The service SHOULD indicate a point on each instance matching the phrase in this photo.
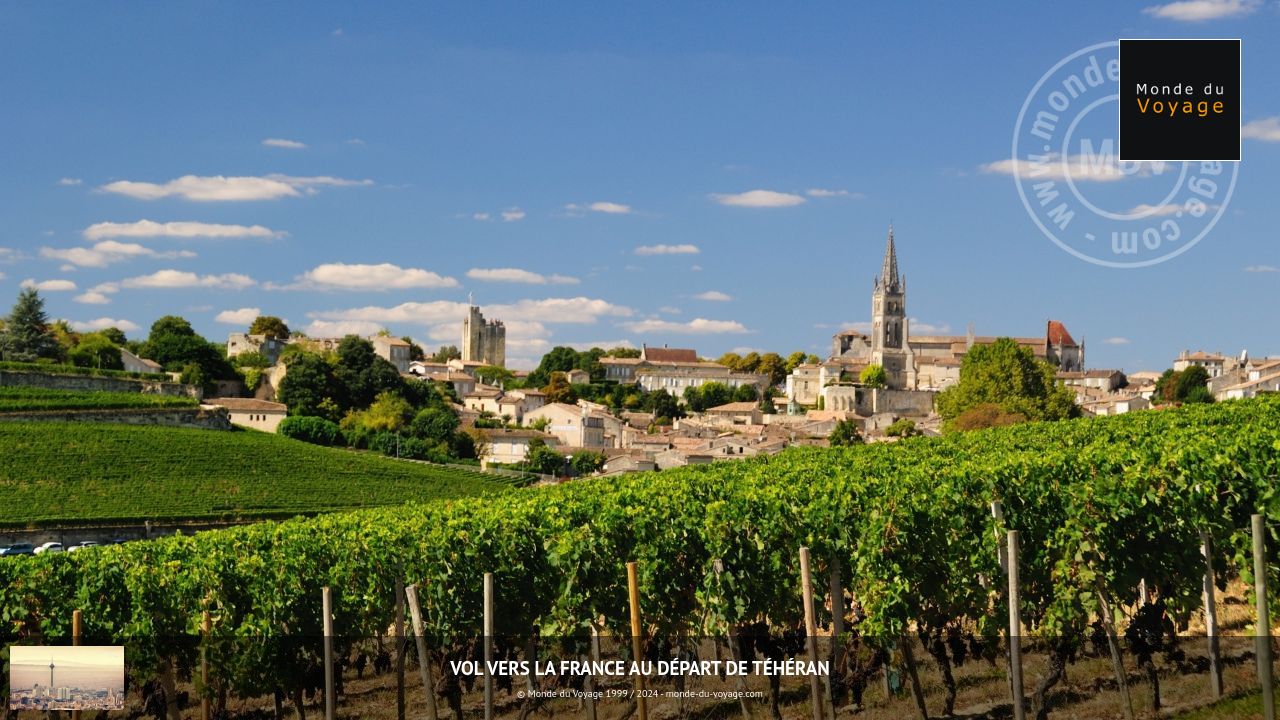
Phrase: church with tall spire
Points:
(910, 362)
(889, 347)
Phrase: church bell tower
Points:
(889, 348)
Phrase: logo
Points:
(1067, 168)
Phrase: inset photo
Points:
(66, 678)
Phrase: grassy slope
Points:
(24, 399)
(70, 472)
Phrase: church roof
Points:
(1058, 334)
(889, 278)
(665, 354)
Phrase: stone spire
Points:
(889, 279)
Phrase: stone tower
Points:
(889, 347)
(483, 340)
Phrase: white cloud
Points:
(713, 296)
(179, 279)
(516, 275)
(354, 141)
(243, 316)
(341, 328)
(384, 276)
(1162, 210)
(1197, 10)
(758, 199)
(150, 228)
(283, 143)
(512, 214)
(602, 344)
(49, 285)
(915, 326)
(1267, 129)
(610, 207)
(2, 276)
(219, 188)
(481, 216)
(9, 255)
(668, 309)
(697, 326)
(70, 181)
(667, 250)
(825, 193)
(1262, 269)
(1116, 341)
(92, 297)
(107, 252)
(1080, 168)
(575, 310)
(103, 323)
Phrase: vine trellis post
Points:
(1263, 630)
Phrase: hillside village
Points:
(618, 410)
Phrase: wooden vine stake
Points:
(1211, 616)
(424, 662)
(1015, 628)
(1116, 663)
(488, 645)
(206, 629)
(77, 634)
(637, 641)
(1264, 618)
(836, 594)
(330, 699)
(400, 650)
(740, 683)
(811, 631)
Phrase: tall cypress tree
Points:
(26, 336)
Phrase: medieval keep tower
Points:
(483, 340)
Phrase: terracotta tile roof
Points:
(1058, 334)
(663, 354)
(734, 407)
(247, 404)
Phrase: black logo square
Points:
(1179, 100)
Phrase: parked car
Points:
(82, 545)
(17, 549)
(49, 547)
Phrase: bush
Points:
(902, 428)
(315, 430)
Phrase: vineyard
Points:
(1102, 506)
(66, 474)
(76, 370)
(26, 399)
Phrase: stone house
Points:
(247, 412)
(510, 447)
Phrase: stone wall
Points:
(902, 402)
(204, 417)
(103, 533)
(89, 383)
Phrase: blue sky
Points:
(584, 171)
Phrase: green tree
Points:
(416, 353)
(873, 376)
(795, 360)
(1192, 386)
(558, 390)
(985, 415)
(95, 350)
(175, 345)
(445, 354)
(269, 325)
(709, 395)
(559, 359)
(311, 388)
(251, 359)
(27, 335)
(745, 393)
(844, 434)
(586, 462)
(774, 366)
(1010, 377)
(364, 374)
(65, 335)
(115, 335)
(663, 405)
(493, 375)
(388, 413)
(542, 459)
(902, 427)
(434, 423)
